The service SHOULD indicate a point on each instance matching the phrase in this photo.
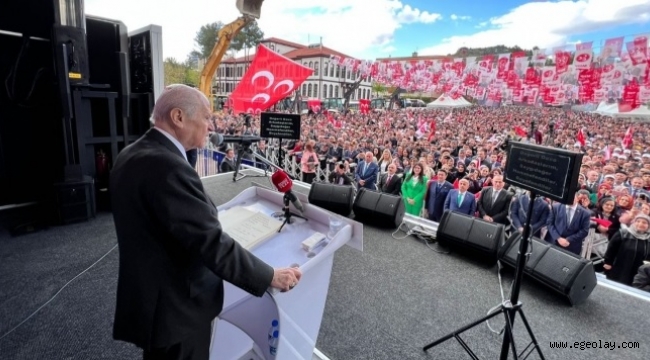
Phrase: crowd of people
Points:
(441, 159)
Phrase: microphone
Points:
(283, 183)
(218, 139)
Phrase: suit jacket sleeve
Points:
(473, 208)
(372, 177)
(179, 203)
(543, 217)
(481, 209)
(514, 214)
(357, 172)
(426, 193)
(550, 224)
(448, 200)
(398, 186)
(501, 215)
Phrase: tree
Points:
(248, 37)
(378, 88)
(349, 89)
(180, 73)
(174, 72)
(206, 37)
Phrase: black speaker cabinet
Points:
(472, 236)
(335, 198)
(76, 54)
(378, 209)
(560, 270)
(75, 200)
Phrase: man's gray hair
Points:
(180, 96)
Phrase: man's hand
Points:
(285, 279)
(563, 242)
(521, 230)
(487, 218)
(362, 182)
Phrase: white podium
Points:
(244, 329)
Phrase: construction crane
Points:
(250, 10)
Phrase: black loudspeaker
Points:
(563, 271)
(106, 40)
(378, 209)
(76, 54)
(335, 198)
(471, 235)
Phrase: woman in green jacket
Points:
(413, 189)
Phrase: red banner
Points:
(270, 78)
(364, 106)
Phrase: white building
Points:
(327, 80)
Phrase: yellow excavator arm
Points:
(224, 37)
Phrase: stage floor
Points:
(384, 303)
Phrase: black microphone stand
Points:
(509, 308)
(287, 212)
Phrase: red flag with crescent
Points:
(270, 78)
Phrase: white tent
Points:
(611, 109)
(448, 102)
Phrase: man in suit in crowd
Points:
(568, 226)
(460, 200)
(391, 183)
(174, 255)
(338, 176)
(434, 198)
(519, 214)
(366, 174)
(228, 164)
(494, 203)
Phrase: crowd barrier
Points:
(208, 161)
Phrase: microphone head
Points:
(216, 139)
(281, 181)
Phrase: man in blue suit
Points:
(568, 226)
(434, 198)
(366, 174)
(519, 213)
(460, 200)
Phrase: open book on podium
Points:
(248, 227)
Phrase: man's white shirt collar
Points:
(174, 141)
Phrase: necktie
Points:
(388, 181)
(460, 199)
(569, 215)
(494, 196)
(364, 168)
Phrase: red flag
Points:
(432, 130)
(364, 106)
(270, 78)
(520, 131)
(627, 140)
(581, 137)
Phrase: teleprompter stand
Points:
(287, 212)
(509, 308)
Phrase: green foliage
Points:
(490, 50)
(180, 73)
(206, 37)
(378, 88)
(250, 36)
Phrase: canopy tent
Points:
(611, 109)
(449, 102)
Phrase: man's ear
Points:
(177, 118)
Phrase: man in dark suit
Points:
(434, 198)
(338, 176)
(568, 226)
(391, 183)
(228, 164)
(519, 214)
(174, 255)
(366, 174)
(461, 200)
(494, 203)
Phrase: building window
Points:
(316, 91)
(338, 71)
(311, 65)
(331, 91)
(349, 74)
(332, 70)
(325, 91)
(316, 68)
(364, 94)
(359, 94)
(326, 68)
(336, 91)
(304, 89)
(309, 90)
